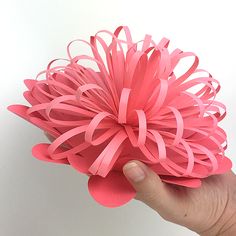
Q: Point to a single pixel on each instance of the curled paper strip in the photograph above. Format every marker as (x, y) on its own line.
(133, 105)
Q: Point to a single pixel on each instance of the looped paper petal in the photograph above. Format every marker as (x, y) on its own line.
(112, 191)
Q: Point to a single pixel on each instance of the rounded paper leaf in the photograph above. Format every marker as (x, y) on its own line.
(112, 191)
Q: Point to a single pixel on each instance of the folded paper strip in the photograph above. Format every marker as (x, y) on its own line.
(130, 104)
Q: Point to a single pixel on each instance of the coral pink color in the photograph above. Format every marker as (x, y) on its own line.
(131, 104)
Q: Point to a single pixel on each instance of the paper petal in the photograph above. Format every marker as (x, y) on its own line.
(81, 163)
(225, 164)
(112, 191)
(19, 110)
(40, 151)
(30, 83)
(43, 125)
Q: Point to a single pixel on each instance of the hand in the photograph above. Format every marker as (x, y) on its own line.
(208, 210)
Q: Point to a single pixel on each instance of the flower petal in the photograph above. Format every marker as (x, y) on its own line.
(81, 163)
(19, 110)
(44, 126)
(40, 151)
(112, 191)
(225, 164)
(30, 83)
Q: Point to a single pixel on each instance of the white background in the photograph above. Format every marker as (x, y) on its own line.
(38, 198)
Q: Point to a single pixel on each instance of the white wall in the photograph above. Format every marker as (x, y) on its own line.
(37, 198)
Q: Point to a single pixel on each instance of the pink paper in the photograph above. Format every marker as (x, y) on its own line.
(132, 106)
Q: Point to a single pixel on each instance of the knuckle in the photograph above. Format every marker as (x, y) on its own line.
(146, 196)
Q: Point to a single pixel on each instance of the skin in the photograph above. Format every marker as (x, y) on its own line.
(209, 210)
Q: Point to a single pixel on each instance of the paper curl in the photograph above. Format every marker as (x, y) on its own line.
(133, 105)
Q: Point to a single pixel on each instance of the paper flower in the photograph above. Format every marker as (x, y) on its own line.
(133, 105)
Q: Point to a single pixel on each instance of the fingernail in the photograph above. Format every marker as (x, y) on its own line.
(134, 172)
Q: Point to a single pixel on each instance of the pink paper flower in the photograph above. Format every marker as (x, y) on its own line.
(133, 105)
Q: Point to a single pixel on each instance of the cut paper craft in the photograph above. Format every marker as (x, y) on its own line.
(127, 100)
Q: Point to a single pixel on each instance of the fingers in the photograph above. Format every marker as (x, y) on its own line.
(151, 190)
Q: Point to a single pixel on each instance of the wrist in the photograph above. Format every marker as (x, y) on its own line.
(226, 223)
(222, 229)
(229, 231)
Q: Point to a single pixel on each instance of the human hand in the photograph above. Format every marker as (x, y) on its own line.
(208, 210)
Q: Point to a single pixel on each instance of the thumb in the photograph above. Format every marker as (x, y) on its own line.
(152, 191)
